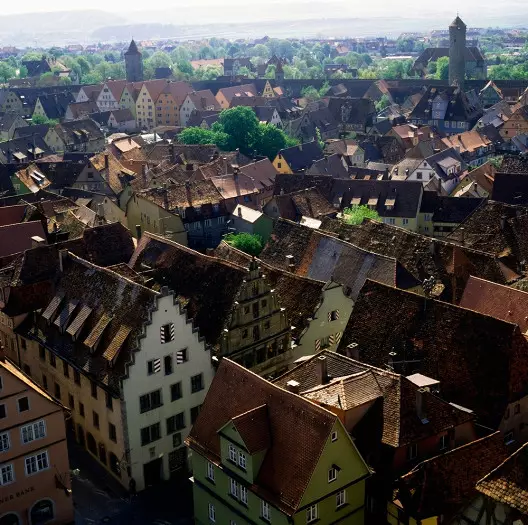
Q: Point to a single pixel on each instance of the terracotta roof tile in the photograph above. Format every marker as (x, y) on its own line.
(292, 457)
(486, 368)
(443, 484)
(508, 482)
(254, 429)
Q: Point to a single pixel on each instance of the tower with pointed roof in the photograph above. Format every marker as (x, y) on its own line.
(279, 72)
(457, 53)
(133, 63)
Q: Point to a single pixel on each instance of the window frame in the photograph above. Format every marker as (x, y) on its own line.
(11, 469)
(212, 513)
(5, 438)
(341, 496)
(33, 429)
(38, 457)
(18, 404)
(210, 472)
(197, 388)
(312, 513)
(332, 474)
(265, 511)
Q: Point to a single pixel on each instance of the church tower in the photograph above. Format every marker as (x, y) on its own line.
(133, 63)
(457, 53)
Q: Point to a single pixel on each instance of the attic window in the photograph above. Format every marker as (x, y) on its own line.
(167, 333)
(334, 436)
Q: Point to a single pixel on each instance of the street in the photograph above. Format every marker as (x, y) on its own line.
(99, 498)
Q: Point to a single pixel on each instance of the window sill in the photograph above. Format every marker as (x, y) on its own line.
(343, 506)
(212, 481)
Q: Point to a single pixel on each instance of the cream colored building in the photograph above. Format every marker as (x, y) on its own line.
(154, 219)
(128, 363)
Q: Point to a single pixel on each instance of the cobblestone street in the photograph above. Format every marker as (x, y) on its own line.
(98, 498)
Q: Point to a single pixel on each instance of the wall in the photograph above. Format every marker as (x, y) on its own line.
(167, 111)
(281, 165)
(351, 478)
(227, 508)
(320, 327)
(185, 111)
(113, 213)
(28, 489)
(145, 109)
(43, 372)
(139, 383)
(154, 219)
(128, 102)
(53, 140)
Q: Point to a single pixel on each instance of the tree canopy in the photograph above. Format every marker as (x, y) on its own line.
(355, 215)
(246, 242)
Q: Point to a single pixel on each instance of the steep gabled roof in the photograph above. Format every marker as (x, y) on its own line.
(302, 156)
(443, 484)
(290, 461)
(205, 286)
(310, 253)
(481, 362)
(508, 482)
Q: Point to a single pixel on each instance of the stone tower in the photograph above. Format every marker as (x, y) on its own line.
(133, 63)
(279, 73)
(457, 53)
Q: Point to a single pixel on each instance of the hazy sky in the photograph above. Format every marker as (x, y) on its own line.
(474, 12)
(373, 7)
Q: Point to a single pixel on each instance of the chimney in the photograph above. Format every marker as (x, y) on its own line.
(503, 222)
(462, 235)
(172, 156)
(36, 241)
(322, 370)
(475, 186)
(352, 351)
(300, 147)
(293, 386)
(107, 161)
(2, 355)
(165, 196)
(240, 211)
(130, 140)
(420, 405)
(63, 254)
(138, 231)
(189, 167)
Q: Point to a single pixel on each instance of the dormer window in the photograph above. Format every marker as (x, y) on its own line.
(242, 460)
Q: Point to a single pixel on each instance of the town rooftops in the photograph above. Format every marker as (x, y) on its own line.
(95, 327)
(483, 351)
(310, 253)
(443, 484)
(301, 157)
(508, 482)
(291, 458)
(75, 132)
(350, 383)
(496, 300)
(300, 296)
(389, 198)
(448, 209)
(18, 237)
(205, 286)
(245, 90)
(510, 188)
(308, 202)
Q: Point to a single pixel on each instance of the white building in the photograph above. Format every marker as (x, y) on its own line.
(128, 363)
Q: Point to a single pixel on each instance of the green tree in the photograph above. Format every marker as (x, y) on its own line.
(65, 81)
(246, 242)
(357, 214)
(46, 79)
(310, 93)
(160, 59)
(383, 102)
(442, 68)
(197, 135)
(23, 72)
(185, 67)
(242, 127)
(39, 119)
(6, 71)
(270, 140)
(260, 50)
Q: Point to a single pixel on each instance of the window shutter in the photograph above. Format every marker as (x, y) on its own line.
(337, 314)
(338, 337)
(157, 365)
(317, 345)
(329, 316)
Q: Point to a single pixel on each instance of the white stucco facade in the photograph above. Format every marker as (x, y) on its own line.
(328, 324)
(144, 378)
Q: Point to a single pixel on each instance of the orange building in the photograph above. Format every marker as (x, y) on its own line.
(34, 467)
(169, 102)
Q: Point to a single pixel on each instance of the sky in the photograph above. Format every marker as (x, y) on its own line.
(475, 12)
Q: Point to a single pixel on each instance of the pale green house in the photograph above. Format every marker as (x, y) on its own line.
(262, 454)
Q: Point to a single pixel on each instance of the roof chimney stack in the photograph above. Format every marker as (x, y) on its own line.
(138, 231)
(107, 161)
(322, 370)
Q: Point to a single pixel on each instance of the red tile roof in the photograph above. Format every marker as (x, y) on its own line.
(496, 300)
(15, 238)
(298, 431)
(441, 485)
(12, 214)
(508, 483)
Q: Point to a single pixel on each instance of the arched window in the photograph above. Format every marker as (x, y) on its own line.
(102, 453)
(42, 512)
(92, 445)
(9, 519)
(115, 466)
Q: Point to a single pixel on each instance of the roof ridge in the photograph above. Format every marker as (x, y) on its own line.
(450, 451)
(111, 273)
(193, 252)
